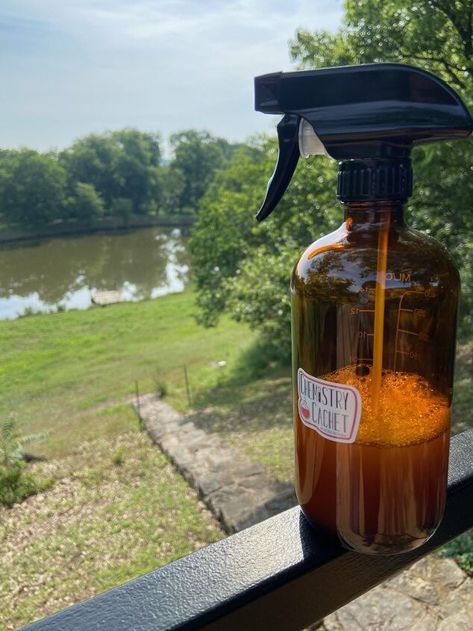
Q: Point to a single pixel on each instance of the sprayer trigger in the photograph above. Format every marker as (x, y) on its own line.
(286, 164)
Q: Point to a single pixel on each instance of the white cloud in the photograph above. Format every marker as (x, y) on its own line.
(84, 65)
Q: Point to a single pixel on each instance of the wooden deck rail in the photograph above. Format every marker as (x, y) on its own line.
(279, 574)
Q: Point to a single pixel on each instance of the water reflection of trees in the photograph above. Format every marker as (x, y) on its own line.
(61, 265)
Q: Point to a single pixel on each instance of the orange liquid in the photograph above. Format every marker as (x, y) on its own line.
(386, 492)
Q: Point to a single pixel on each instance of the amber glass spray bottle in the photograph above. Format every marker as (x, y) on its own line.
(374, 305)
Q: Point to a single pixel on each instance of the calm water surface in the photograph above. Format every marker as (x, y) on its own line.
(64, 272)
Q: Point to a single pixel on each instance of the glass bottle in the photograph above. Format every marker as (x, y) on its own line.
(385, 491)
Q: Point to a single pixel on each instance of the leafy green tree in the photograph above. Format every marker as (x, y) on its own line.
(196, 156)
(122, 207)
(245, 268)
(89, 160)
(436, 35)
(32, 187)
(120, 164)
(135, 168)
(171, 189)
(87, 205)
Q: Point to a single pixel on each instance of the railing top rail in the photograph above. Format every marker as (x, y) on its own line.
(279, 574)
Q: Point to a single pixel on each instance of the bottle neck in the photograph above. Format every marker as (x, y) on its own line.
(373, 212)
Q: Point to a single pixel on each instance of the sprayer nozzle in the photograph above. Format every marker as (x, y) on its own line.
(367, 112)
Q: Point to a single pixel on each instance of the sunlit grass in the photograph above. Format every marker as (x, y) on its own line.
(71, 374)
(101, 524)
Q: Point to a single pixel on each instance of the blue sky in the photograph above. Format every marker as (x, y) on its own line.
(70, 67)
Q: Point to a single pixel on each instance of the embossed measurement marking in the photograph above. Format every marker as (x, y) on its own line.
(419, 314)
(409, 326)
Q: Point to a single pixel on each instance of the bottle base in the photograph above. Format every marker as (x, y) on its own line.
(377, 544)
(385, 545)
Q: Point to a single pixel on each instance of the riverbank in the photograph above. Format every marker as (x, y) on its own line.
(62, 273)
(111, 224)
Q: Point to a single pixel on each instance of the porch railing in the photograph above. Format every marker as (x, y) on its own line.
(279, 574)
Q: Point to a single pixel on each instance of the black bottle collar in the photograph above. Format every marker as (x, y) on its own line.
(374, 179)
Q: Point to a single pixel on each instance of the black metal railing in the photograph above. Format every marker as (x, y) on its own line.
(278, 574)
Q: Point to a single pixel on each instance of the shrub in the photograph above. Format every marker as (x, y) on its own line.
(16, 483)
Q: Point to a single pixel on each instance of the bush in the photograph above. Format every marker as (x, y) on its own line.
(461, 549)
(16, 483)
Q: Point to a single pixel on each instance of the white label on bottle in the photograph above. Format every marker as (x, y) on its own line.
(333, 410)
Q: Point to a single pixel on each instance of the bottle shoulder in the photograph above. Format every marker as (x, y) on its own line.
(334, 241)
(351, 256)
(432, 249)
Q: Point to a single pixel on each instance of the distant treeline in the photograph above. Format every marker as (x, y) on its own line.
(114, 174)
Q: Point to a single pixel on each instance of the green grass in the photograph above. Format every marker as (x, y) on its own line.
(102, 524)
(117, 508)
(70, 374)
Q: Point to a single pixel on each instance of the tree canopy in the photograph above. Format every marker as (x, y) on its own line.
(196, 156)
(32, 187)
(114, 174)
(244, 268)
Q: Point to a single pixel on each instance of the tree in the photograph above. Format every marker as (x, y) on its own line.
(197, 155)
(120, 164)
(32, 187)
(171, 190)
(89, 160)
(87, 205)
(244, 268)
(436, 35)
(122, 207)
(135, 168)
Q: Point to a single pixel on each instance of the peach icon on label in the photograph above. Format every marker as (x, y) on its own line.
(304, 408)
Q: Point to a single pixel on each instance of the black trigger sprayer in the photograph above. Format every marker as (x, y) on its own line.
(374, 304)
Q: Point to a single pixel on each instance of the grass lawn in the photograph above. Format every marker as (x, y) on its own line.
(69, 375)
(118, 509)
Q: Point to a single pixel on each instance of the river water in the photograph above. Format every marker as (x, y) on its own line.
(64, 272)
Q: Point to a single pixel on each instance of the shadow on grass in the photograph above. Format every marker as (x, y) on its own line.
(254, 396)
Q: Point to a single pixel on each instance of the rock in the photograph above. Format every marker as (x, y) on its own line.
(380, 609)
(459, 621)
(447, 573)
(428, 622)
(415, 586)
(459, 600)
(237, 490)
